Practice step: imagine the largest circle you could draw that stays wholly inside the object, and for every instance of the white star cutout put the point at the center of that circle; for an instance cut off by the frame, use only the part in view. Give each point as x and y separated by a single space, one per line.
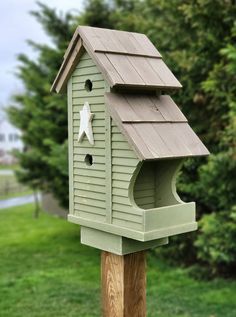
86 118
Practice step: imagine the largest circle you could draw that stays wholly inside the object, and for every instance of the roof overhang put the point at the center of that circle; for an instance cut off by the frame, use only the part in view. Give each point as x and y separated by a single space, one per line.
71 58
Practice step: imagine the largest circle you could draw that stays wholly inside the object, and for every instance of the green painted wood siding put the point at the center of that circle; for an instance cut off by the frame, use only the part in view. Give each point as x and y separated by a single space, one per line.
155 184
124 164
88 184
145 186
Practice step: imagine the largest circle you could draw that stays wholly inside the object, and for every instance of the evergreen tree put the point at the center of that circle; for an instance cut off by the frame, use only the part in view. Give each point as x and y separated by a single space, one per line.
42 116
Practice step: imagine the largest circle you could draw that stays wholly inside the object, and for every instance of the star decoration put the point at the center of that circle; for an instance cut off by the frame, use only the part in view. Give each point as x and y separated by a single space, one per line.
86 118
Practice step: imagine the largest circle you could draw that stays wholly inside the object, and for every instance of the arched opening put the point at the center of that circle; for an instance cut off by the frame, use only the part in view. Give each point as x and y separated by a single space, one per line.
155 184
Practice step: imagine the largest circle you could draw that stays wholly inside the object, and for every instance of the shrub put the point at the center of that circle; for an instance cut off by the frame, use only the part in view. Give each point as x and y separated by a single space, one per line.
216 243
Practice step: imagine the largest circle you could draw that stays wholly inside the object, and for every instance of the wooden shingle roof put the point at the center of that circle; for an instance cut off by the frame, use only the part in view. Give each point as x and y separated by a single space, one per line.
154 126
126 59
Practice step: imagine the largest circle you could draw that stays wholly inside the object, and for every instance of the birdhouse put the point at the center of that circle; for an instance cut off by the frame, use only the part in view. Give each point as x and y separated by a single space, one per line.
127 141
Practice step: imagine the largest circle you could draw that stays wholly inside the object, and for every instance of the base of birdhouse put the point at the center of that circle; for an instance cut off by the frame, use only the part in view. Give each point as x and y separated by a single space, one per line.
158 223
116 244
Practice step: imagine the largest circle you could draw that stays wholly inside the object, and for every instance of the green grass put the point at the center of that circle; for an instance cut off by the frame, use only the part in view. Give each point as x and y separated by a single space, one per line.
46 272
24 192
9 167
10 187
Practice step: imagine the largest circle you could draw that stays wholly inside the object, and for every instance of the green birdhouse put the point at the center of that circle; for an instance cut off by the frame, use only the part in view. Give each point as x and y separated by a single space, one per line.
127 141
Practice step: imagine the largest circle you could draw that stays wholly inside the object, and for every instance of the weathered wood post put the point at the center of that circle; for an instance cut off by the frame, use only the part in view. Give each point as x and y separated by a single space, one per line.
123 284
127 140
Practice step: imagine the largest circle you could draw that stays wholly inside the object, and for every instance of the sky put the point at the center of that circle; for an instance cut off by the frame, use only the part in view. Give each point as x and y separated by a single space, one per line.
16 26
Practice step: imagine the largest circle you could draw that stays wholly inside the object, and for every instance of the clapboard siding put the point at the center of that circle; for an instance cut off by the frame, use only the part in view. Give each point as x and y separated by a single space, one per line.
120 184
92 151
97 159
89 202
89 192
94 107
120 145
97 137
121 177
84 193
122 153
88 180
97 115
79 85
144 188
79 93
86 71
96 123
98 129
97 188
124 163
99 144
81 79
89 173
91 99
131 162
94 167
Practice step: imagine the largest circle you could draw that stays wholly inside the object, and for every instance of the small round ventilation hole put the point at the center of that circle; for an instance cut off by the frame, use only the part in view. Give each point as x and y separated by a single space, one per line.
88 85
88 159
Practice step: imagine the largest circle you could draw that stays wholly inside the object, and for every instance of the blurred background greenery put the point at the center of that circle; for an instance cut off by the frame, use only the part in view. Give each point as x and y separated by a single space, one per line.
197 40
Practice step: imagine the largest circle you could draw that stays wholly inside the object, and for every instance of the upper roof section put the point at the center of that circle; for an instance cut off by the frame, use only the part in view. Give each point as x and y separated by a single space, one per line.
125 59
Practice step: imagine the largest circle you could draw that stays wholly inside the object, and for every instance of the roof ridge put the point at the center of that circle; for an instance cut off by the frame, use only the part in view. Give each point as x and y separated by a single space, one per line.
107 29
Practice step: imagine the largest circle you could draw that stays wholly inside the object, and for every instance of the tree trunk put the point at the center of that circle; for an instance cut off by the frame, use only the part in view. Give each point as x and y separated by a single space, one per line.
36 203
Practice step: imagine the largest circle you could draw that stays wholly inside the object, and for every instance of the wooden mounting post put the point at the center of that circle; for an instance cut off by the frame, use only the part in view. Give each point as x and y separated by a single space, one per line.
123 284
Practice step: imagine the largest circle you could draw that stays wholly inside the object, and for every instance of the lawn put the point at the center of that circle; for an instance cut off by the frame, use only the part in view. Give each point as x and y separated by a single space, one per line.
9 166
10 187
46 272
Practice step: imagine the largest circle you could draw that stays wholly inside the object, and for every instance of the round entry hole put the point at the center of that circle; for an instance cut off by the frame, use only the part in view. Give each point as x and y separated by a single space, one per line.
88 159
88 85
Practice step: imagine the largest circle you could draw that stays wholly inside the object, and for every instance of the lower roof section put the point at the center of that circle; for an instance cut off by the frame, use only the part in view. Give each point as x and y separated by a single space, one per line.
154 126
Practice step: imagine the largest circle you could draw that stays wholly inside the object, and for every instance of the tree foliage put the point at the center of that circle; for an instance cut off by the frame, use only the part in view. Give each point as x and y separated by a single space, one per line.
40 115
197 40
